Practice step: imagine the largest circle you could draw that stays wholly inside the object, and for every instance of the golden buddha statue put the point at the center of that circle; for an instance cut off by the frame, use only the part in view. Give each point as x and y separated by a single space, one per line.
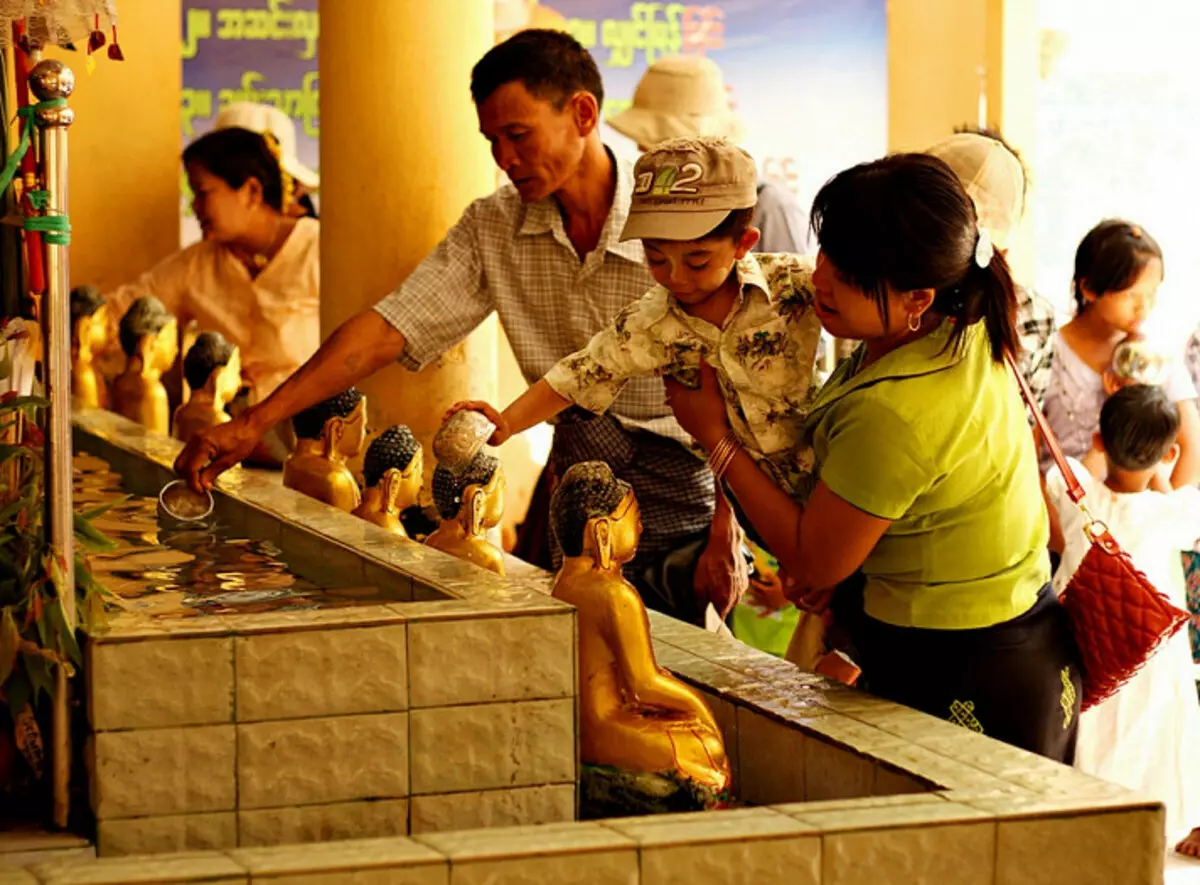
470 503
89 336
634 716
393 472
150 338
326 435
213 371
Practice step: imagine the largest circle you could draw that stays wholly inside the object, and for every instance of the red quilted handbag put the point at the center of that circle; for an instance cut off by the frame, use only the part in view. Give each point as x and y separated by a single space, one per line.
1118 617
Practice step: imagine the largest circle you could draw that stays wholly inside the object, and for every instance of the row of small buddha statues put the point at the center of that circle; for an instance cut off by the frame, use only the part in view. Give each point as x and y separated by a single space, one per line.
648 741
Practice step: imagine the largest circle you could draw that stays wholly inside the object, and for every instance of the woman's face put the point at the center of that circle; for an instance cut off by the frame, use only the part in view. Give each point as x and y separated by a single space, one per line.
224 212
846 311
1127 309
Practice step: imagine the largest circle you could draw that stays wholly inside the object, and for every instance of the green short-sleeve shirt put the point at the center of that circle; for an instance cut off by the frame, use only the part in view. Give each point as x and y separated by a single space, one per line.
935 439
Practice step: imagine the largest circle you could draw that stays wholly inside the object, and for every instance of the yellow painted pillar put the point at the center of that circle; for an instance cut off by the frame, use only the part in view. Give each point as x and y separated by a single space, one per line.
401 158
125 149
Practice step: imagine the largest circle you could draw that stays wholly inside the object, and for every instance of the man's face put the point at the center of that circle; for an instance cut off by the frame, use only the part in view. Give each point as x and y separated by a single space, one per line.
536 145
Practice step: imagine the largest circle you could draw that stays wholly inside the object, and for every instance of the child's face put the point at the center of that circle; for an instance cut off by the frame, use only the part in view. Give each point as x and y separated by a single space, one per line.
1127 309
692 270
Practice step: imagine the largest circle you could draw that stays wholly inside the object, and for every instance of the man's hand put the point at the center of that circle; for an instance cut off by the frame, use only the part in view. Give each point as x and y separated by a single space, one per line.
502 433
721 571
210 453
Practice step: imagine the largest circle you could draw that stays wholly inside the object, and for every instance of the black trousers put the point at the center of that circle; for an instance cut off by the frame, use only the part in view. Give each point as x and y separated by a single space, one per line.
1018 681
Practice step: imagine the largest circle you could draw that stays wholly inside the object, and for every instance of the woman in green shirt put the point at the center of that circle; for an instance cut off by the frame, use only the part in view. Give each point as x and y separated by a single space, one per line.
928 513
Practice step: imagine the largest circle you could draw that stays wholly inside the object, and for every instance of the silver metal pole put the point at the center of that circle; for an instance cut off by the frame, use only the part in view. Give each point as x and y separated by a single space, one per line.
51 79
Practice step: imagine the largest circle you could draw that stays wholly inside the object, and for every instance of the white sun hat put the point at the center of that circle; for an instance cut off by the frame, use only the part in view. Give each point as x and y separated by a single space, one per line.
264 118
993 178
679 96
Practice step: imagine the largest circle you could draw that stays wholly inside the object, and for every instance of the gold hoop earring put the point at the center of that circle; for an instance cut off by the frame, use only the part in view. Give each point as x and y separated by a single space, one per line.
914 322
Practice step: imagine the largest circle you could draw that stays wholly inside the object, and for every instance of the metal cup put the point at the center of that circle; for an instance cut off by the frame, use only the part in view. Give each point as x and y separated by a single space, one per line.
179 502
460 439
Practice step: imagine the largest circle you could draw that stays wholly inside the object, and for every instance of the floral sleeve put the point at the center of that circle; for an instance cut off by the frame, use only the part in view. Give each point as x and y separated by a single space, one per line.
629 348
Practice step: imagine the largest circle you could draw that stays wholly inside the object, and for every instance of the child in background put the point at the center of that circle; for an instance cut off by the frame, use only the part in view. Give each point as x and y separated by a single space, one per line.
1118 270
1146 736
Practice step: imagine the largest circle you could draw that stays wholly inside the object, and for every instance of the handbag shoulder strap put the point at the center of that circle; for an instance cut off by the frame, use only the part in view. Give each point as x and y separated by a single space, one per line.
1074 489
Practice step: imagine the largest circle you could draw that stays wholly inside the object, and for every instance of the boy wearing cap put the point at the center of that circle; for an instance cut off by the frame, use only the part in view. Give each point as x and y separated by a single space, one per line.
747 315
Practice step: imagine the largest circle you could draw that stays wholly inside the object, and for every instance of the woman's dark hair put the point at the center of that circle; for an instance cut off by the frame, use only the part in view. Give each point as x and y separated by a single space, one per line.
449 487
1138 424
146 316
236 155
395 449
309 423
209 352
551 65
1111 258
905 221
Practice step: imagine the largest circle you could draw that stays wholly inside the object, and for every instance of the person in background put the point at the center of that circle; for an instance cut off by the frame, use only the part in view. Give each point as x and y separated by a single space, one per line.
928 501
1146 736
543 253
255 277
1118 270
264 119
997 182
685 95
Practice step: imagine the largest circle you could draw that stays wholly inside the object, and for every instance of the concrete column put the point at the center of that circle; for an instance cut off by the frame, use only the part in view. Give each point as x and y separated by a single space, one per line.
125 149
401 158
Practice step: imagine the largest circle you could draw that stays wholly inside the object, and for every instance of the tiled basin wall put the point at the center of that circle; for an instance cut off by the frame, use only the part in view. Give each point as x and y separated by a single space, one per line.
851 789
367 720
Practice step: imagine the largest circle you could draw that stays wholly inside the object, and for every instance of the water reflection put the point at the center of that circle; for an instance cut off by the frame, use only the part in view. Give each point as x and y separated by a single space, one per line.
162 571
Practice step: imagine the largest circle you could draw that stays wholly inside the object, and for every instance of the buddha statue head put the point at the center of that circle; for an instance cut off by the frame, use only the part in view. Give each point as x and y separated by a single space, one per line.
149 336
339 423
89 320
394 466
213 366
474 496
595 515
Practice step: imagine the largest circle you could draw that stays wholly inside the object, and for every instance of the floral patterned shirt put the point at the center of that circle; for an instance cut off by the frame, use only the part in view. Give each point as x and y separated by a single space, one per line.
764 357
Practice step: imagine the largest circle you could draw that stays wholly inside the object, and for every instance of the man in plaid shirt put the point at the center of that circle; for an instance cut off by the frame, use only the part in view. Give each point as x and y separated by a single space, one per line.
544 254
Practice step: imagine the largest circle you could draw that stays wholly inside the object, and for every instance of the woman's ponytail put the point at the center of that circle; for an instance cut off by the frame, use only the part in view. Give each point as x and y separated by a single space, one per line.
986 292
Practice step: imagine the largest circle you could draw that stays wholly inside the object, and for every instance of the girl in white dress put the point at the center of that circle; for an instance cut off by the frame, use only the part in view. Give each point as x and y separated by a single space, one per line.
1147 736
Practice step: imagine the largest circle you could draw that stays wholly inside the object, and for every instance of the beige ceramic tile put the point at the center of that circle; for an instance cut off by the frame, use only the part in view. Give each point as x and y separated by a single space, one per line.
889 816
962 854
598 868
702 827
725 712
831 772
164 771
442 812
795 860
487 746
803 809
311 761
1017 802
493 659
860 736
1101 849
323 823
312 555
17 877
192 683
392 583
313 619
167 833
893 782
330 673
515 842
133 626
210 867
770 760
334 857
394 876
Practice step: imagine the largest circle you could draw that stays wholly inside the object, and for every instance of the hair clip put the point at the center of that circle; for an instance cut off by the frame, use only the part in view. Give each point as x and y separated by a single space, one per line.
1135 231
984 250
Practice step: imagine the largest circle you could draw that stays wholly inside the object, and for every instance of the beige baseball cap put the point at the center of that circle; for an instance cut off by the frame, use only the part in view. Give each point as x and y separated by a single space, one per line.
264 118
685 187
679 95
993 178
